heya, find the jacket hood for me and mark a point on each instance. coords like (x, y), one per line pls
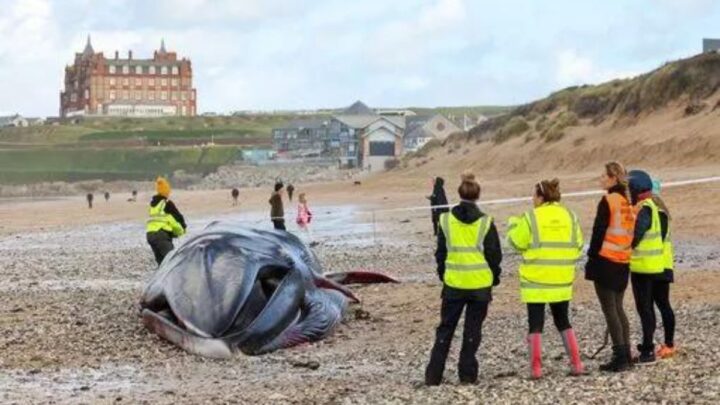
(467, 212)
(156, 199)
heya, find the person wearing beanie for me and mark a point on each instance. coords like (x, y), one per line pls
(651, 264)
(165, 222)
(277, 212)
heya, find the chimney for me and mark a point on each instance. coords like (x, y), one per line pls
(130, 55)
(117, 55)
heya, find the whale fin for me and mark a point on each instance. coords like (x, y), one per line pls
(207, 347)
(360, 277)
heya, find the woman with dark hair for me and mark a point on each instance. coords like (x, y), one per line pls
(438, 201)
(550, 241)
(468, 260)
(608, 264)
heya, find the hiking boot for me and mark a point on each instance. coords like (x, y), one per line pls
(647, 355)
(666, 352)
(619, 361)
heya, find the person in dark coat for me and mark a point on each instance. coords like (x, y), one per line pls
(89, 198)
(290, 191)
(107, 196)
(235, 193)
(609, 269)
(277, 213)
(437, 198)
(474, 301)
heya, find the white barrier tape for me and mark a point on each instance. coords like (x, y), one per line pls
(501, 201)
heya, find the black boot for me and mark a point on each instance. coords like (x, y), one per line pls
(618, 362)
(647, 355)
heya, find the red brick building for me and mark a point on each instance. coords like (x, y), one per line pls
(161, 86)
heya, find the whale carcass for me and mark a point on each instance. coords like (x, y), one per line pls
(230, 288)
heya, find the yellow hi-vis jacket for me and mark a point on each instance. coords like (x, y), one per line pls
(650, 256)
(465, 265)
(159, 220)
(550, 241)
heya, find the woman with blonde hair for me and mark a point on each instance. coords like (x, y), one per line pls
(608, 265)
(468, 260)
(304, 216)
(550, 241)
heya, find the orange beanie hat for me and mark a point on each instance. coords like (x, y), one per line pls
(162, 186)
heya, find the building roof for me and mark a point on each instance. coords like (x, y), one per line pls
(88, 48)
(307, 123)
(358, 108)
(7, 120)
(357, 121)
(419, 132)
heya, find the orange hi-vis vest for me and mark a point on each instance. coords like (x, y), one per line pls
(617, 245)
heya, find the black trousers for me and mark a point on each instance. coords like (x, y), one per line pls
(161, 244)
(279, 224)
(536, 316)
(661, 298)
(642, 287)
(450, 312)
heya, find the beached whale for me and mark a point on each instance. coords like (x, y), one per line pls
(231, 288)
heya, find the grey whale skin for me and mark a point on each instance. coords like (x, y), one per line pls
(230, 288)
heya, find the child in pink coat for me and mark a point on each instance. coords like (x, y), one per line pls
(304, 216)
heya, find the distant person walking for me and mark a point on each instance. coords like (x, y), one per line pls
(468, 257)
(277, 213)
(89, 198)
(165, 222)
(608, 264)
(235, 193)
(304, 216)
(550, 241)
(133, 198)
(437, 198)
(290, 191)
(107, 196)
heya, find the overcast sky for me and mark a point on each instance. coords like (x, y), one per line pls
(286, 54)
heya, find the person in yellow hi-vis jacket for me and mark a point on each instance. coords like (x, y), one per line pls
(550, 241)
(165, 222)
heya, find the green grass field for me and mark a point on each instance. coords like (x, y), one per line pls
(25, 166)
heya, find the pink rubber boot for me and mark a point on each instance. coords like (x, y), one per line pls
(573, 351)
(535, 346)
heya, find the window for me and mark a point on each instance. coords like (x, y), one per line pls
(151, 82)
(112, 81)
(174, 95)
(112, 69)
(138, 95)
(175, 70)
(163, 82)
(174, 82)
(73, 97)
(138, 70)
(382, 148)
(183, 96)
(151, 95)
(126, 82)
(192, 95)
(126, 69)
(87, 94)
(126, 95)
(138, 82)
(112, 94)
(152, 70)
(163, 95)
(163, 70)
